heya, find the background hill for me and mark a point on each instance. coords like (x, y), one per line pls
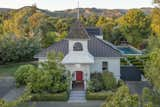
(112, 13)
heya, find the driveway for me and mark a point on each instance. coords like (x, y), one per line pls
(6, 84)
(136, 87)
(66, 104)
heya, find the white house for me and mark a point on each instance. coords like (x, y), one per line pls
(85, 52)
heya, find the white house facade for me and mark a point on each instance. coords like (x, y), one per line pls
(85, 52)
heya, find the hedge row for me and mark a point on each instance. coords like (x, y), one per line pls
(50, 97)
(98, 95)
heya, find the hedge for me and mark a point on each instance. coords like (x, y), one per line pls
(50, 97)
(98, 95)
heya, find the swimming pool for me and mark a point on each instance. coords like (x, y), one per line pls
(129, 50)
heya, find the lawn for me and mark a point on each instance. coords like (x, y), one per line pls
(9, 69)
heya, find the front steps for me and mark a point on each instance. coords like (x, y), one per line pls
(77, 97)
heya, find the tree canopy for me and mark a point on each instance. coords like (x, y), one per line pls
(152, 68)
(135, 26)
(122, 98)
(155, 21)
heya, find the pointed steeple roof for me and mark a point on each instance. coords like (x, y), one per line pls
(77, 31)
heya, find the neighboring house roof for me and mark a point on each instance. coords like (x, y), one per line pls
(77, 31)
(96, 47)
(94, 31)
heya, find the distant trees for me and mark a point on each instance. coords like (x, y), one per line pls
(107, 25)
(16, 50)
(30, 22)
(155, 21)
(135, 26)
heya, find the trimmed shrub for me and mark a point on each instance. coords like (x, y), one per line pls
(98, 95)
(22, 74)
(109, 82)
(50, 97)
(96, 84)
(39, 81)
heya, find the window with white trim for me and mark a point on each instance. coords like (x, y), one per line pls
(105, 66)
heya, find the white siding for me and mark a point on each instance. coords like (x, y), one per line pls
(113, 65)
(85, 68)
(83, 42)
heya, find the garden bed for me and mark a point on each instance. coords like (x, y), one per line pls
(50, 97)
(98, 95)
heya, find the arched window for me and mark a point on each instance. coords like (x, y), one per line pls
(77, 47)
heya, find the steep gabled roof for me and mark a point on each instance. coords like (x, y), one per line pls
(100, 48)
(96, 47)
(77, 31)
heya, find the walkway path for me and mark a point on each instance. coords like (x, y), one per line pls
(8, 90)
(13, 94)
(77, 97)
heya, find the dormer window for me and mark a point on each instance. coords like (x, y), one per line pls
(77, 47)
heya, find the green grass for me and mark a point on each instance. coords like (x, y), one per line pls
(10, 69)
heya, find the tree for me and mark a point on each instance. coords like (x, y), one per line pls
(61, 26)
(153, 43)
(155, 25)
(107, 26)
(13, 49)
(49, 39)
(109, 81)
(122, 98)
(152, 68)
(90, 20)
(49, 77)
(135, 26)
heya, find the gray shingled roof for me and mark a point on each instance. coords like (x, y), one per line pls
(97, 47)
(77, 31)
(94, 31)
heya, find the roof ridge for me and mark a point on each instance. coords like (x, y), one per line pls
(110, 45)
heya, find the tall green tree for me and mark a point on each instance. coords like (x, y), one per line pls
(152, 68)
(135, 26)
(122, 98)
(16, 50)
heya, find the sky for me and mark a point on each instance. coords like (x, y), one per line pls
(53, 5)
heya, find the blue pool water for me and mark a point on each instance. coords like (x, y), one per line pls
(128, 50)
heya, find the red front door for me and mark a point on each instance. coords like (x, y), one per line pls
(79, 75)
